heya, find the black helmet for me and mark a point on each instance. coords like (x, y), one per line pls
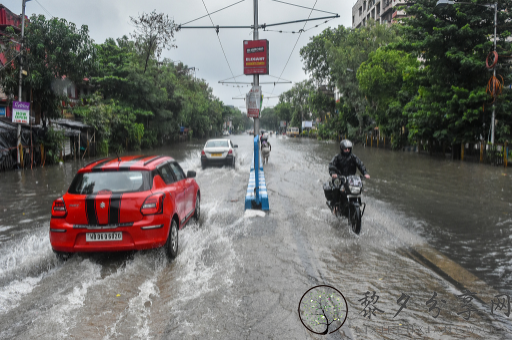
(345, 144)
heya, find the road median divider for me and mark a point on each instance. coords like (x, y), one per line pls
(256, 196)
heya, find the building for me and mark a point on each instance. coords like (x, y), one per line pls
(7, 19)
(382, 11)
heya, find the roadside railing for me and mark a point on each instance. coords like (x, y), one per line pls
(497, 154)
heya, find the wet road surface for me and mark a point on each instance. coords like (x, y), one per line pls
(241, 275)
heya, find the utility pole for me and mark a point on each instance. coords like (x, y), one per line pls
(21, 73)
(256, 77)
(494, 72)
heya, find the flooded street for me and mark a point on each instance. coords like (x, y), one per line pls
(431, 229)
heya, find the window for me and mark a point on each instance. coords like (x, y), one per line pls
(177, 171)
(166, 173)
(360, 11)
(113, 181)
(364, 6)
(217, 143)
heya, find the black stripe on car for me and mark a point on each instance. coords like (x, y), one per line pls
(97, 167)
(96, 161)
(126, 165)
(90, 210)
(114, 209)
(153, 159)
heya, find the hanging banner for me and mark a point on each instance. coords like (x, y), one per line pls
(253, 102)
(256, 57)
(20, 112)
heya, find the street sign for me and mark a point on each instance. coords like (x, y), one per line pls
(307, 124)
(282, 123)
(253, 102)
(20, 112)
(256, 57)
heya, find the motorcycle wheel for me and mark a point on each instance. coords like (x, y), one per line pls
(355, 220)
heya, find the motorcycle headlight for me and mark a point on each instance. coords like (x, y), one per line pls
(355, 190)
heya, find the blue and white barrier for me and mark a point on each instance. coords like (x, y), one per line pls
(256, 196)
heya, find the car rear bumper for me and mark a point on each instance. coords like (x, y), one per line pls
(71, 238)
(228, 160)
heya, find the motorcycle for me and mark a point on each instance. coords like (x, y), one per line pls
(343, 196)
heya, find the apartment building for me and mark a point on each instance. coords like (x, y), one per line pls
(383, 11)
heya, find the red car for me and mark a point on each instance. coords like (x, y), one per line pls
(125, 203)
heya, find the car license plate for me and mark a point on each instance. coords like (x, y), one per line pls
(216, 154)
(93, 237)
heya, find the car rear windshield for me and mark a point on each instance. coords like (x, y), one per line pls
(217, 144)
(115, 181)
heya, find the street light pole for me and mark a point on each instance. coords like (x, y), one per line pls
(494, 71)
(21, 74)
(256, 77)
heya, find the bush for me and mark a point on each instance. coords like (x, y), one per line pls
(52, 142)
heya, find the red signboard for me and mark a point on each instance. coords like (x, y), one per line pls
(255, 57)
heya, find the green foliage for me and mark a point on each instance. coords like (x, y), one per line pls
(450, 103)
(52, 141)
(55, 52)
(116, 124)
(333, 58)
(381, 79)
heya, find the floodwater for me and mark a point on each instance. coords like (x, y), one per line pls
(241, 274)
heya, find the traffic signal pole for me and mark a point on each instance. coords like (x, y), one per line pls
(256, 77)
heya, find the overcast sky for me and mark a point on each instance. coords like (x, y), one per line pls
(200, 48)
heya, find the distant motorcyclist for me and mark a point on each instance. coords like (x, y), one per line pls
(346, 163)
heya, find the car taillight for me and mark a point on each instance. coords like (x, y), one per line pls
(203, 153)
(230, 152)
(59, 208)
(153, 205)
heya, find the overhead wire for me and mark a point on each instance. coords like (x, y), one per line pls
(45, 9)
(9, 62)
(222, 47)
(211, 12)
(294, 46)
(299, 31)
(317, 10)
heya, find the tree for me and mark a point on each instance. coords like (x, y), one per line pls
(450, 103)
(336, 54)
(298, 99)
(55, 53)
(381, 79)
(153, 33)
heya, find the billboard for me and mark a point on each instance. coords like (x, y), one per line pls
(282, 123)
(256, 57)
(20, 112)
(3, 111)
(307, 124)
(253, 102)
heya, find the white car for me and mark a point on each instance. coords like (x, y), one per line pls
(218, 152)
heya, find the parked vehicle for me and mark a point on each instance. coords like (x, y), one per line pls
(218, 152)
(292, 132)
(125, 203)
(343, 196)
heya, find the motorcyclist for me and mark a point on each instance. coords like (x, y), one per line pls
(346, 163)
